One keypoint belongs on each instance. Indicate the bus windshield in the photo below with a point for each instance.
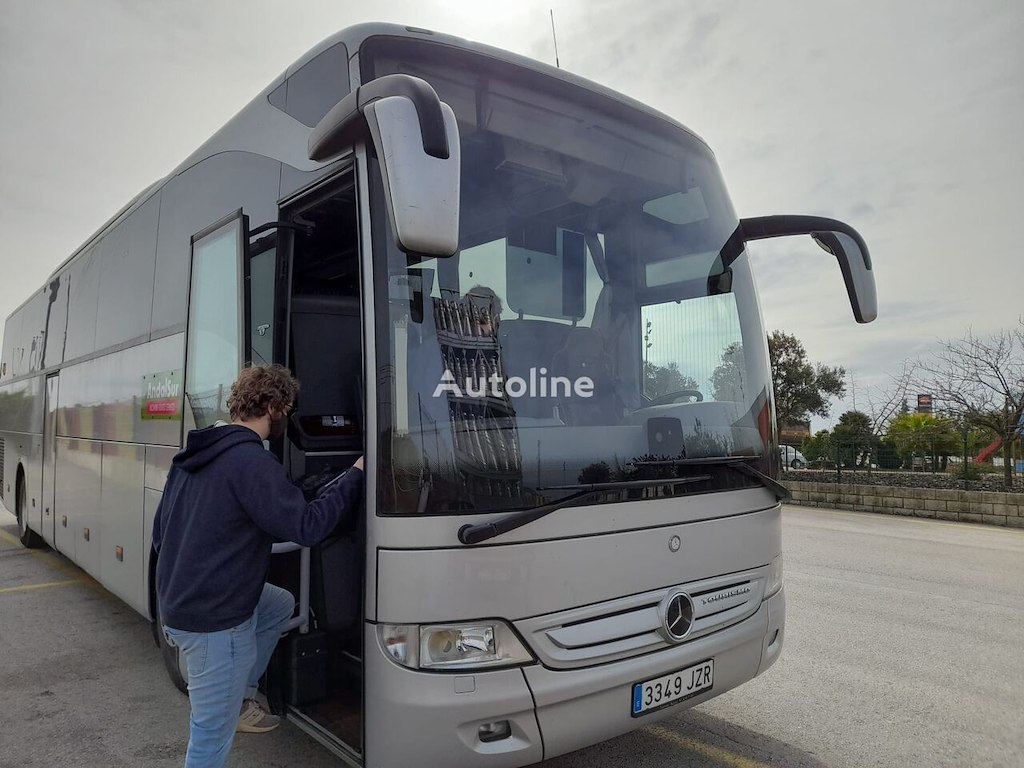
(598, 322)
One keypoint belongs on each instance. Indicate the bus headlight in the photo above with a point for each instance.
(453, 646)
(774, 581)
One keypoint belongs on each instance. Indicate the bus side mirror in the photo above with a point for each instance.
(422, 191)
(835, 237)
(417, 142)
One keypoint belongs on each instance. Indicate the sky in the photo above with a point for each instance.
(905, 119)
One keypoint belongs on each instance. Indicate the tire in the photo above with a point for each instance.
(797, 464)
(174, 662)
(29, 538)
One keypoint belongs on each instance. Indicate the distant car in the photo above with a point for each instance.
(791, 457)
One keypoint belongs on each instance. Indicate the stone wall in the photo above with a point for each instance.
(963, 506)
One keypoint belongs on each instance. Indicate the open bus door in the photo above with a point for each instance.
(317, 672)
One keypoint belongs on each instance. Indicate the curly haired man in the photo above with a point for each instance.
(225, 502)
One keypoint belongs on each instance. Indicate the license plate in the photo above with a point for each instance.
(673, 687)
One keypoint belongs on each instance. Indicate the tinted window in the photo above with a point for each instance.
(127, 256)
(83, 291)
(12, 343)
(317, 86)
(56, 293)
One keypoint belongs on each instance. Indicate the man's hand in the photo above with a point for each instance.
(359, 463)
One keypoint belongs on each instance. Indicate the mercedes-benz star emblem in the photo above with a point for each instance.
(676, 612)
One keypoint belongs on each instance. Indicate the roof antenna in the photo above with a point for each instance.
(552, 10)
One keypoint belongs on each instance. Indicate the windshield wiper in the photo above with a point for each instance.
(738, 463)
(474, 534)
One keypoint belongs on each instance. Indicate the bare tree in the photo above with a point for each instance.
(982, 381)
(886, 403)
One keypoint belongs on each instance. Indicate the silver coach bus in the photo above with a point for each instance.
(527, 299)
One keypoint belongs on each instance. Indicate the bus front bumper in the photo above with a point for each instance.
(577, 708)
(424, 719)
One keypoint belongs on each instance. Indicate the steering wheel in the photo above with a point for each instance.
(673, 397)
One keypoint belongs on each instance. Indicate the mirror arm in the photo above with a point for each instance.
(764, 227)
(340, 125)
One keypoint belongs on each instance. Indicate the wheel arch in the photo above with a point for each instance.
(29, 537)
(20, 482)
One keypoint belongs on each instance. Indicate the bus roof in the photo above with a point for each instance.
(353, 37)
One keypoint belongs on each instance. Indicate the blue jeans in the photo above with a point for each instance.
(223, 669)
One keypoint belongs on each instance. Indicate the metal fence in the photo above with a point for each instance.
(922, 456)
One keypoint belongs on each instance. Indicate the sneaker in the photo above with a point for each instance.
(255, 719)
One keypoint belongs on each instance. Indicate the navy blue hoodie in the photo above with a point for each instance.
(225, 503)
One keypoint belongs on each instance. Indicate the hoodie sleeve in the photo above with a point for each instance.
(280, 509)
(157, 528)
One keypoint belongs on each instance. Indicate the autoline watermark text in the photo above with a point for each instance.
(537, 384)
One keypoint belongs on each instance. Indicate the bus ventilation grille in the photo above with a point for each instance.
(2, 444)
(630, 626)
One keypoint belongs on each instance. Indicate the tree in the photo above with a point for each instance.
(665, 379)
(923, 434)
(818, 447)
(727, 378)
(888, 402)
(982, 381)
(971, 439)
(801, 389)
(854, 438)
(662, 379)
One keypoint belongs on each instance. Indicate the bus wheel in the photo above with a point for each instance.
(28, 537)
(174, 661)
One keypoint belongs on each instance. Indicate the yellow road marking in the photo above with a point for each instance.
(10, 539)
(55, 559)
(24, 587)
(717, 754)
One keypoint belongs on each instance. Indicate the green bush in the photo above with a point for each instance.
(967, 472)
(985, 468)
(975, 471)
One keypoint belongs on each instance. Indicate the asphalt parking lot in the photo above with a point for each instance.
(903, 649)
(83, 684)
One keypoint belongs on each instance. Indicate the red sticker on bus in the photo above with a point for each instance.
(168, 407)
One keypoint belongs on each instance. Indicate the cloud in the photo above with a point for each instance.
(905, 118)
